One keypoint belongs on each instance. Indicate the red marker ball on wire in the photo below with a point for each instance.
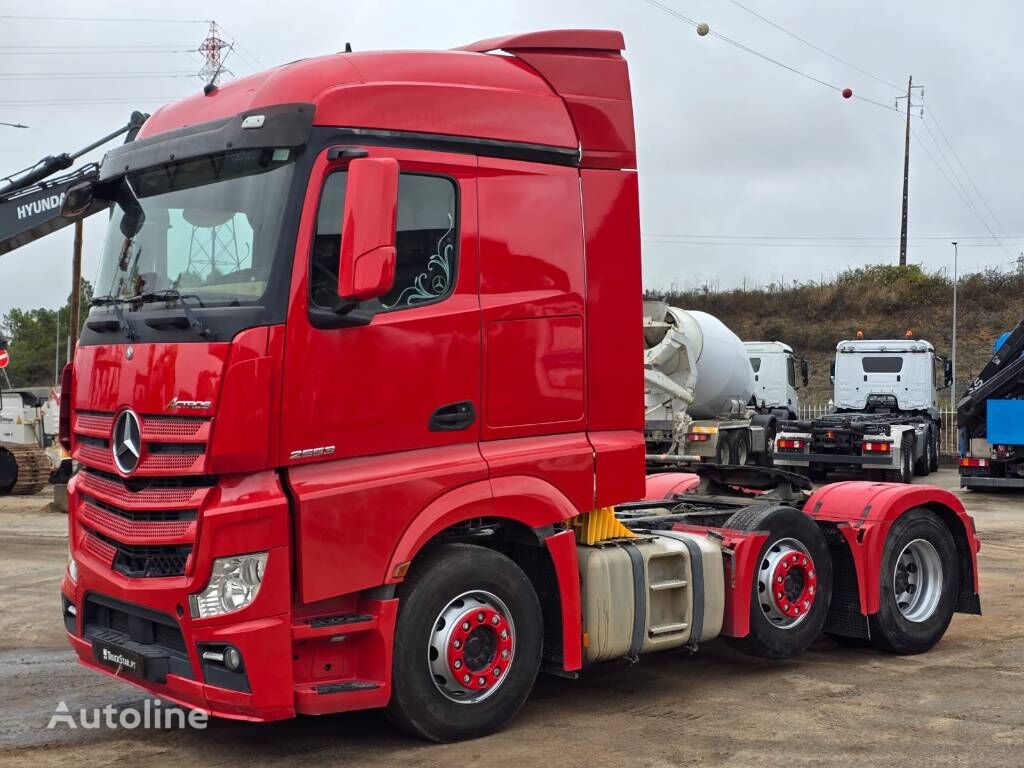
(847, 93)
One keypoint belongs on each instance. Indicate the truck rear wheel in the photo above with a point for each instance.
(467, 644)
(933, 450)
(922, 467)
(905, 474)
(792, 584)
(739, 453)
(918, 584)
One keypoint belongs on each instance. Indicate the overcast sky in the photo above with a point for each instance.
(729, 144)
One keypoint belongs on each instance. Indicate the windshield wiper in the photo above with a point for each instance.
(171, 294)
(114, 303)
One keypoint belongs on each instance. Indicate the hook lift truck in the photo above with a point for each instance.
(990, 418)
(30, 208)
(251, 537)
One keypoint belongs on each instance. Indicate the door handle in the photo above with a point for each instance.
(453, 417)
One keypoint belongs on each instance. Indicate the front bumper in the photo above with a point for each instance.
(149, 617)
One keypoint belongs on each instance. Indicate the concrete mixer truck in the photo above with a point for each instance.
(699, 392)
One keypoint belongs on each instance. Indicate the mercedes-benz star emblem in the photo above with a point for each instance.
(129, 352)
(126, 442)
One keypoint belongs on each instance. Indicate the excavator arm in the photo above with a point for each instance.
(30, 201)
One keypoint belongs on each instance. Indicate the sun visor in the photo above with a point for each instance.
(282, 125)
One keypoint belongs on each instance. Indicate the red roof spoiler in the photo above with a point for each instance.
(585, 67)
(581, 39)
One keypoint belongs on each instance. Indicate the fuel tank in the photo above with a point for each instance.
(650, 594)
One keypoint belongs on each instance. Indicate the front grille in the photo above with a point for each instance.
(144, 526)
(138, 527)
(185, 456)
(140, 561)
(139, 493)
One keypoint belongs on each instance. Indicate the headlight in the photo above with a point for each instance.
(72, 568)
(234, 584)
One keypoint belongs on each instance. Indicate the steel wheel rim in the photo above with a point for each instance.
(917, 581)
(471, 647)
(787, 584)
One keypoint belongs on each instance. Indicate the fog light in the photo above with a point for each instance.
(232, 659)
(234, 584)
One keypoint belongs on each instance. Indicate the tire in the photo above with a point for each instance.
(739, 449)
(771, 427)
(933, 450)
(905, 474)
(795, 551)
(723, 452)
(921, 467)
(913, 622)
(447, 590)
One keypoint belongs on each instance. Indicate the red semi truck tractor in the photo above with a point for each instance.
(359, 411)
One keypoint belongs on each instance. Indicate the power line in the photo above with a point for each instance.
(765, 57)
(103, 18)
(733, 244)
(75, 47)
(815, 47)
(96, 76)
(113, 100)
(93, 52)
(967, 174)
(820, 237)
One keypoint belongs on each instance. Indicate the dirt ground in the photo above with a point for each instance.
(961, 704)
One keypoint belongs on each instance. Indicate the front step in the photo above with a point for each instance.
(347, 686)
(331, 696)
(330, 626)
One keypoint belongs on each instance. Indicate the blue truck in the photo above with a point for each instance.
(990, 419)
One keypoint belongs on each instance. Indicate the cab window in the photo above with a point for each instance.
(426, 243)
(882, 364)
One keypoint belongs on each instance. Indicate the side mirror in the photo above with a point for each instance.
(366, 269)
(947, 372)
(832, 372)
(804, 371)
(77, 200)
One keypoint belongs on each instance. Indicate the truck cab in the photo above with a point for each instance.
(359, 408)
(894, 375)
(885, 421)
(776, 382)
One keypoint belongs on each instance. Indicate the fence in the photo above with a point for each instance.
(947, 437)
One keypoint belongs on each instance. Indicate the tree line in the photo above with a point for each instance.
(38, 349)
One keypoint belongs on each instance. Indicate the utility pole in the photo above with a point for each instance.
(906, 168)
(952, 391)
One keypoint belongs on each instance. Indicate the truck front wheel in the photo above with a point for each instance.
(467, 644)
(792, 583)
(918, 584)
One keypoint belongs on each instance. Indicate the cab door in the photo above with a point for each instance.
(380, 417)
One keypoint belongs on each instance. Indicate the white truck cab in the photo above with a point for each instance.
(878, 374)
(775, 377)
(885, 420)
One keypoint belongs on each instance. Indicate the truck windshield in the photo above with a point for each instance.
(207, 227)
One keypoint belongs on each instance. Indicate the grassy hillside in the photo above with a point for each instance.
(882, 301)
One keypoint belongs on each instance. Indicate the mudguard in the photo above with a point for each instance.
(665, 485)
(527, 500)
(863, 512)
